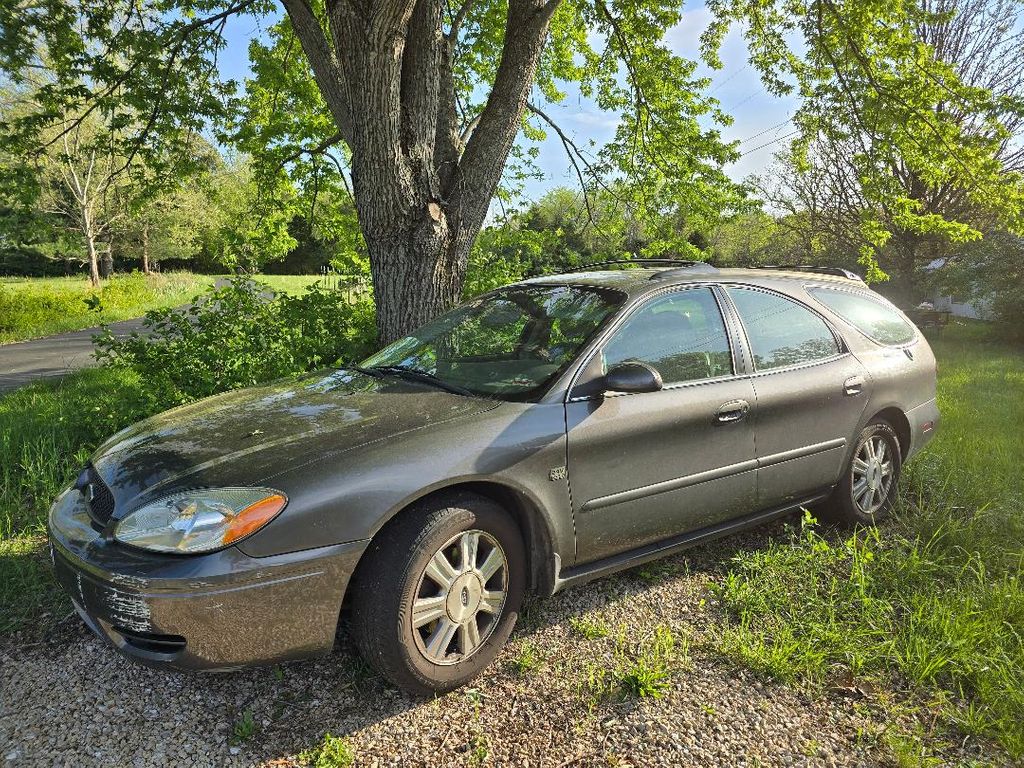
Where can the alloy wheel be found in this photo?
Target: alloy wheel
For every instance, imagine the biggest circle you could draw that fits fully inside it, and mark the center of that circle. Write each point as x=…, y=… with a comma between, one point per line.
x=873, y=473
x=460, y=596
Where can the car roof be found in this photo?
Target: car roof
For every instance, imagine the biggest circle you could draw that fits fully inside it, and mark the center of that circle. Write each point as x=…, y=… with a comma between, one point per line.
x=641, y=280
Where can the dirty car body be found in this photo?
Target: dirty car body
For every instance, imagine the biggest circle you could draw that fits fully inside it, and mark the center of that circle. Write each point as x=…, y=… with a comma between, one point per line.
x=737, y=428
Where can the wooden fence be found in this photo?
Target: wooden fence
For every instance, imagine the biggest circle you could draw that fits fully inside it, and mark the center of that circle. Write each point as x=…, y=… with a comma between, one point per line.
x=353, y=287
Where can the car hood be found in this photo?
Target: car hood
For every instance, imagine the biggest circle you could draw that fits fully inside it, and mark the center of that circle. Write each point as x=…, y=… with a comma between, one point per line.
x=248, y=436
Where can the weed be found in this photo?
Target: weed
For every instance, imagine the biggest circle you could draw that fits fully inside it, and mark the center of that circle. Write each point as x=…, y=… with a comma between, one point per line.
x=332, y=752
x=657, y=571
x=639, y=670
x=592, y=628
x=245, y=727
x=527, y=659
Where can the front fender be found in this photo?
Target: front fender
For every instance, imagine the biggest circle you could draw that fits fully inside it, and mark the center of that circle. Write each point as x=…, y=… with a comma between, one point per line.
x=350, y=496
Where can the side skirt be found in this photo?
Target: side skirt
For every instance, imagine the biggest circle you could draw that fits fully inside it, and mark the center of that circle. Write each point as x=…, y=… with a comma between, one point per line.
x=581, y=574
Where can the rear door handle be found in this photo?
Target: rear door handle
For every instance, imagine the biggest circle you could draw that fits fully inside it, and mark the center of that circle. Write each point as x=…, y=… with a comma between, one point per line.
x=854, y=385
x=734, y=410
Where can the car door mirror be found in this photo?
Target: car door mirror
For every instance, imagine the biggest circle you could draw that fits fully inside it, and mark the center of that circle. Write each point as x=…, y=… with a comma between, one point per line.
x=632, y=377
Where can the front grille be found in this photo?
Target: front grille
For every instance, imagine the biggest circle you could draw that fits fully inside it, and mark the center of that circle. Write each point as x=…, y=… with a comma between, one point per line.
x=101, y=500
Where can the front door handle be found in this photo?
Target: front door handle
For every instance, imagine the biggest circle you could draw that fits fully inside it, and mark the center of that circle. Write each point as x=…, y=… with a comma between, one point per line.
x=734, y=410
x=853, y=385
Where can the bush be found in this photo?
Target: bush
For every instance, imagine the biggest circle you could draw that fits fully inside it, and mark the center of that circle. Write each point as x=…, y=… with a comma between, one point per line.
x=240, y=335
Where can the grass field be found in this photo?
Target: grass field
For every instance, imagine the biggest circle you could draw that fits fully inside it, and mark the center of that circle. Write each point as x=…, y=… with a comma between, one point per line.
x=927, y=611
x=34, y=307
x=931, y=604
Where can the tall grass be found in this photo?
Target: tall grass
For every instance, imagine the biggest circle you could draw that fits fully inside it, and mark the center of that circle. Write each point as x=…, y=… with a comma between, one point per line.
x=932, y=602
x=34, y=307
x=43, y=306
x=47, y=431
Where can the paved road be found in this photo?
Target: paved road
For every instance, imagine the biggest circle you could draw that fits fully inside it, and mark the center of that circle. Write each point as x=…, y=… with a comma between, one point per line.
x=27, y=361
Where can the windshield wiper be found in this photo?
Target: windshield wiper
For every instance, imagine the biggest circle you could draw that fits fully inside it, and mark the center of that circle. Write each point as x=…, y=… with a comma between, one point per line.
x=417, y=375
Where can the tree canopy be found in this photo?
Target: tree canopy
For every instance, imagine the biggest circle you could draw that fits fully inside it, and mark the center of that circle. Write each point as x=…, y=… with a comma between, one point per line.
x=420, y=112
x=909, y=116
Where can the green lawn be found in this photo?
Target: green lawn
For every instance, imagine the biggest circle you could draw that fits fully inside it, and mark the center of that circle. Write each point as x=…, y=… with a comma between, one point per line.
x=931, y=604
x=34, y=307
x=929, y=607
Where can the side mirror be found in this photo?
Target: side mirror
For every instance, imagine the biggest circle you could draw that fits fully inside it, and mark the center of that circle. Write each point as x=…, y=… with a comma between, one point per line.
x=632, y=377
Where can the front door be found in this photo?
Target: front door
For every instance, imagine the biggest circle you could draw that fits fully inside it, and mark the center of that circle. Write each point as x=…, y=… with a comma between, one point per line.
x=811, y=394
x=648, y=466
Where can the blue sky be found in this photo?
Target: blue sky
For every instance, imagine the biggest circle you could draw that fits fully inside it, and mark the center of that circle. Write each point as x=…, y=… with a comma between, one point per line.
x=759, y=117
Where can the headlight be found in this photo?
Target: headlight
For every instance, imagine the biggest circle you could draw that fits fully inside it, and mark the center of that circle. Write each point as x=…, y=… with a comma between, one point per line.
x=200, y=521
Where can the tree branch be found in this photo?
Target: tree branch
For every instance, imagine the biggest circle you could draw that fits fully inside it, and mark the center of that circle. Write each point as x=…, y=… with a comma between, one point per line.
x=460, y=17
x=326, y=70
x=317, y=149
x=486, y=153
x=573, y=152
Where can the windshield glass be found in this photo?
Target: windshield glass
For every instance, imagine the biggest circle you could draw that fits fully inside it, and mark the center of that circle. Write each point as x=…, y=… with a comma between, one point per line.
x=508, y=344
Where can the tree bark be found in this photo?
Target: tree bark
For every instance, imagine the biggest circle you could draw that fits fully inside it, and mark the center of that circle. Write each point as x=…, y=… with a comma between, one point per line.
x=145, y=249
x=107, y=259
x=385, y=72
x=94, y=262
x=906, y=248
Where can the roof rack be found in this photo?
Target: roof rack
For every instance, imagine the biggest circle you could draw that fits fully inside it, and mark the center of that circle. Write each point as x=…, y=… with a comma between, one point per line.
x=677, y=263
x=837, y=271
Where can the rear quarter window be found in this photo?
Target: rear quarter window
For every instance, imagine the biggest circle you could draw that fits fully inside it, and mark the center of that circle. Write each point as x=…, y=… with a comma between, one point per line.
x=872, y=316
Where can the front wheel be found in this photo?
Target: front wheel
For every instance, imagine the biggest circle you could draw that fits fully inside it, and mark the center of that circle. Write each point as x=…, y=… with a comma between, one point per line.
x=867, y=490
x=439, y=593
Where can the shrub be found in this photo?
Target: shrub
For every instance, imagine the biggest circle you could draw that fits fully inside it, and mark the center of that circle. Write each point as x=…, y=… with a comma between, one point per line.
x=240, y=335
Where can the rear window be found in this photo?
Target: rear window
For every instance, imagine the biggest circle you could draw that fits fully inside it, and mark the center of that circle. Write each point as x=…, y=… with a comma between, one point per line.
x=872, y=317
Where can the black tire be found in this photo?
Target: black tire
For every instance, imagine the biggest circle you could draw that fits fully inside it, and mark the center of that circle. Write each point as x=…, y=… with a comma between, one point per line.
x=393, y=575
x=842, y=507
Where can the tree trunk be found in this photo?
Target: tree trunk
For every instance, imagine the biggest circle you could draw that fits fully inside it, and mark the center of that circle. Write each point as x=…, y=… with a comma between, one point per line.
x=385, y=72
x=416, y=275
x=107, y=259
x=145, y=249
x=905, y=253
x=94, y=261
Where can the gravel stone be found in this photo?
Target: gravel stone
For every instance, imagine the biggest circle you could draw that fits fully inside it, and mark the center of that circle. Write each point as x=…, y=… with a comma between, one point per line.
x=75, y=702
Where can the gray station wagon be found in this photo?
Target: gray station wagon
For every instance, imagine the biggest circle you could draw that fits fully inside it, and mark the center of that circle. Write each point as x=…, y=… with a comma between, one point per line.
x=531, y=439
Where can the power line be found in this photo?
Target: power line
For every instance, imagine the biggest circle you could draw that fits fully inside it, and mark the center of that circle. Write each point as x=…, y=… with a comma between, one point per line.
x=767, y=130
x=741, y=102
x=730, y=77
x=769, y=143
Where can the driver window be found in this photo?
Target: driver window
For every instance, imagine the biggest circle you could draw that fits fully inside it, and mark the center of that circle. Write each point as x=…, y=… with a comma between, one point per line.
x=681, y=335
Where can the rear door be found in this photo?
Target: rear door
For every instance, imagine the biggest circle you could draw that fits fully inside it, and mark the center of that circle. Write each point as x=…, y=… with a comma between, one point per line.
x=810, y=393
x=648, y=466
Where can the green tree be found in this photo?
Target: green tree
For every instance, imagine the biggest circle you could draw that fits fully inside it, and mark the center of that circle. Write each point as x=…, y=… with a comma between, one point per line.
x=990, y=273
x=907, y=118
x=428, y=99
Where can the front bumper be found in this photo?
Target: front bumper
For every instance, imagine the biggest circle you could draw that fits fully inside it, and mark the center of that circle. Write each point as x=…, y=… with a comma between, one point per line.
x=217, y=611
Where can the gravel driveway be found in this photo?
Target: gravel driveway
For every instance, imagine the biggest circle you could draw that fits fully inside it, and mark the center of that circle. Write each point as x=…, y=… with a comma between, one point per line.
x=74, y=702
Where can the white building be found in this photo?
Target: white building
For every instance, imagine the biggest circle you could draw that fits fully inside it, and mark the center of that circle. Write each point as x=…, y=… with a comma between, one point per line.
x=958, y=306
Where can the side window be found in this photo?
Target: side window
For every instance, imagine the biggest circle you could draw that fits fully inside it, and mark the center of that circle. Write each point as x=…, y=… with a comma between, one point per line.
x=875, y=318
x=681, y=335
x=782, y=332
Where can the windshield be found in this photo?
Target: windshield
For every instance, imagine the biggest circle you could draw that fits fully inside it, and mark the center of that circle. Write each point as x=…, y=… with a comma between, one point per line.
x=507, y=344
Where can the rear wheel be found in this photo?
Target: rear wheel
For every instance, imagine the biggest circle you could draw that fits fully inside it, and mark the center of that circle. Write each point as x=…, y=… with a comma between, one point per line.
x=866, y=492
x=439, y=593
